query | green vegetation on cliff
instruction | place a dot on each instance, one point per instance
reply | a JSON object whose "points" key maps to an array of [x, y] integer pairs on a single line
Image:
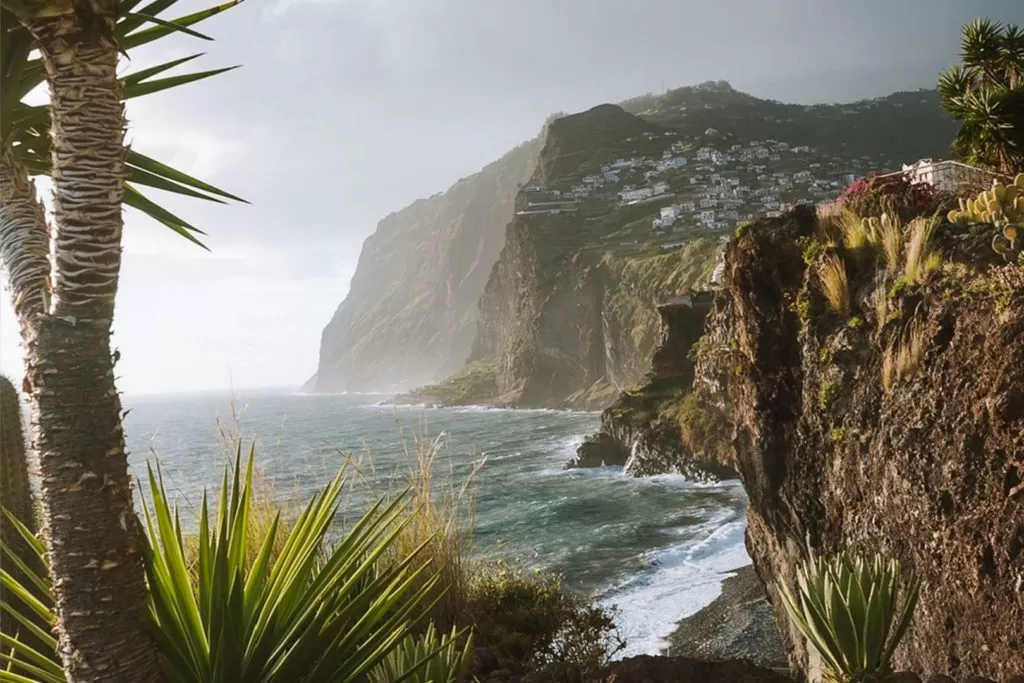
{"points": [[474, 384], [644, 281]]}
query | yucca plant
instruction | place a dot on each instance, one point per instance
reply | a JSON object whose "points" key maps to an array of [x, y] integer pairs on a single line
{"points": [[854, 612], [315, 613], [431, 658]]}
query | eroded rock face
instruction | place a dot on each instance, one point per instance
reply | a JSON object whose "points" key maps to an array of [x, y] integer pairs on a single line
{"points": [[929, 471], [641, 431]]}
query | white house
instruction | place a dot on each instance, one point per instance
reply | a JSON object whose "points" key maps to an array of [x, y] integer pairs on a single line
{"points": [[688, 207], [669, 213], [660, 187], [945, 175], [708, 202], [639, 194], [707, 217], [704, 153]]}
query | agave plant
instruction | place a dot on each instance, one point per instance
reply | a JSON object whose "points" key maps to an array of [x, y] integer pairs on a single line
{"points": [[313, 613], [430, 658], [854, 612]]}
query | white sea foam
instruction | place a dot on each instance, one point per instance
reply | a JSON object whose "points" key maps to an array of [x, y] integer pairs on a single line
{"points": [[681, 580], [493, 409]]}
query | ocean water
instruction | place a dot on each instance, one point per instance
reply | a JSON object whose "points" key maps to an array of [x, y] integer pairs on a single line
{"points": [[657, 549]]}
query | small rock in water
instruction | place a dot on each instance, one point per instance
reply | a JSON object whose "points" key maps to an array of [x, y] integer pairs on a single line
{"points": [[599, 450]]}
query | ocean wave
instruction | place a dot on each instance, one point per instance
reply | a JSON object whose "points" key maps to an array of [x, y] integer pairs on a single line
{"points": [[495, 409], [680, 580]]}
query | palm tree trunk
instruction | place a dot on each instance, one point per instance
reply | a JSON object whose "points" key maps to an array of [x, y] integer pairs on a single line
{"points": [[24, 246], [94, 546]]}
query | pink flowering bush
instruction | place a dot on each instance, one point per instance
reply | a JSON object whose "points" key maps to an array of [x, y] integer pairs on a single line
{"points": [[873, 195]]}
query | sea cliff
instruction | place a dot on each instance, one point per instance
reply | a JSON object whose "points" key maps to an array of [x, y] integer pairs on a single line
{"points": [[896, 426]]}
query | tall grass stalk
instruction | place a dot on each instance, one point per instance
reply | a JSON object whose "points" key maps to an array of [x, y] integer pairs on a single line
{"points": [[893, 239], [835, 285], [440, 515], [919, 256]]}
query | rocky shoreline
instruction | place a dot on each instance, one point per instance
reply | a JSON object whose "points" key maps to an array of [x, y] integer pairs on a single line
{"points": [[738, 624]]}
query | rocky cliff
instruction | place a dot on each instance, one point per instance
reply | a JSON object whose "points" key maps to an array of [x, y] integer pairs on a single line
{"points": [[887, 420], [567, 316], [411, 310], [659, 426]]}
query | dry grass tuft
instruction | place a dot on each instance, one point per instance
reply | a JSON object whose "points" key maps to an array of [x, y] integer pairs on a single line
{"points": [[921, 259], [830, 226], [881, 307], [902, 359], [440, 518], [858, 235], [835, 285], [892, 240]]}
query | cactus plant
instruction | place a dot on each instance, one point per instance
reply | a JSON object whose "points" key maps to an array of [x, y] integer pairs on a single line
{"points": [[16, 499], [1002, 205]]}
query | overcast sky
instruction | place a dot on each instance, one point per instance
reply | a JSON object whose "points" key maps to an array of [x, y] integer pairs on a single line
{"points": [[347, 110]]}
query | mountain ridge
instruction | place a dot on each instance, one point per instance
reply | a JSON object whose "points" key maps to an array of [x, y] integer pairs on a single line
{"points": [[389, 335]]}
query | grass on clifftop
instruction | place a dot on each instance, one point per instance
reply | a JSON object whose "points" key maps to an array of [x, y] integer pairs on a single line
{"points": [[475, 383]]}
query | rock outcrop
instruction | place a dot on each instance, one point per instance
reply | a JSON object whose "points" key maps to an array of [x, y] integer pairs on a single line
{"points": [[649, 429], [897, 427]]}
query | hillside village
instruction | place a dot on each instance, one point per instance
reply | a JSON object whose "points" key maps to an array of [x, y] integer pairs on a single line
{"points": [[701, 186]]}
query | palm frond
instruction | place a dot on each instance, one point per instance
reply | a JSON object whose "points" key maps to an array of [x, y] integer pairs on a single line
{"points": [[24, 129]]}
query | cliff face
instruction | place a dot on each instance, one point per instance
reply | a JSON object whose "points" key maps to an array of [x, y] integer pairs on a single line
{"points": [[897, 427], [658, 426], [411, 311], [568, 316], [567, 313]]}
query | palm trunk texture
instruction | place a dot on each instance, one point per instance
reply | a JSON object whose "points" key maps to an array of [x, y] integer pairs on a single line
{"points": [[93, 532]]}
